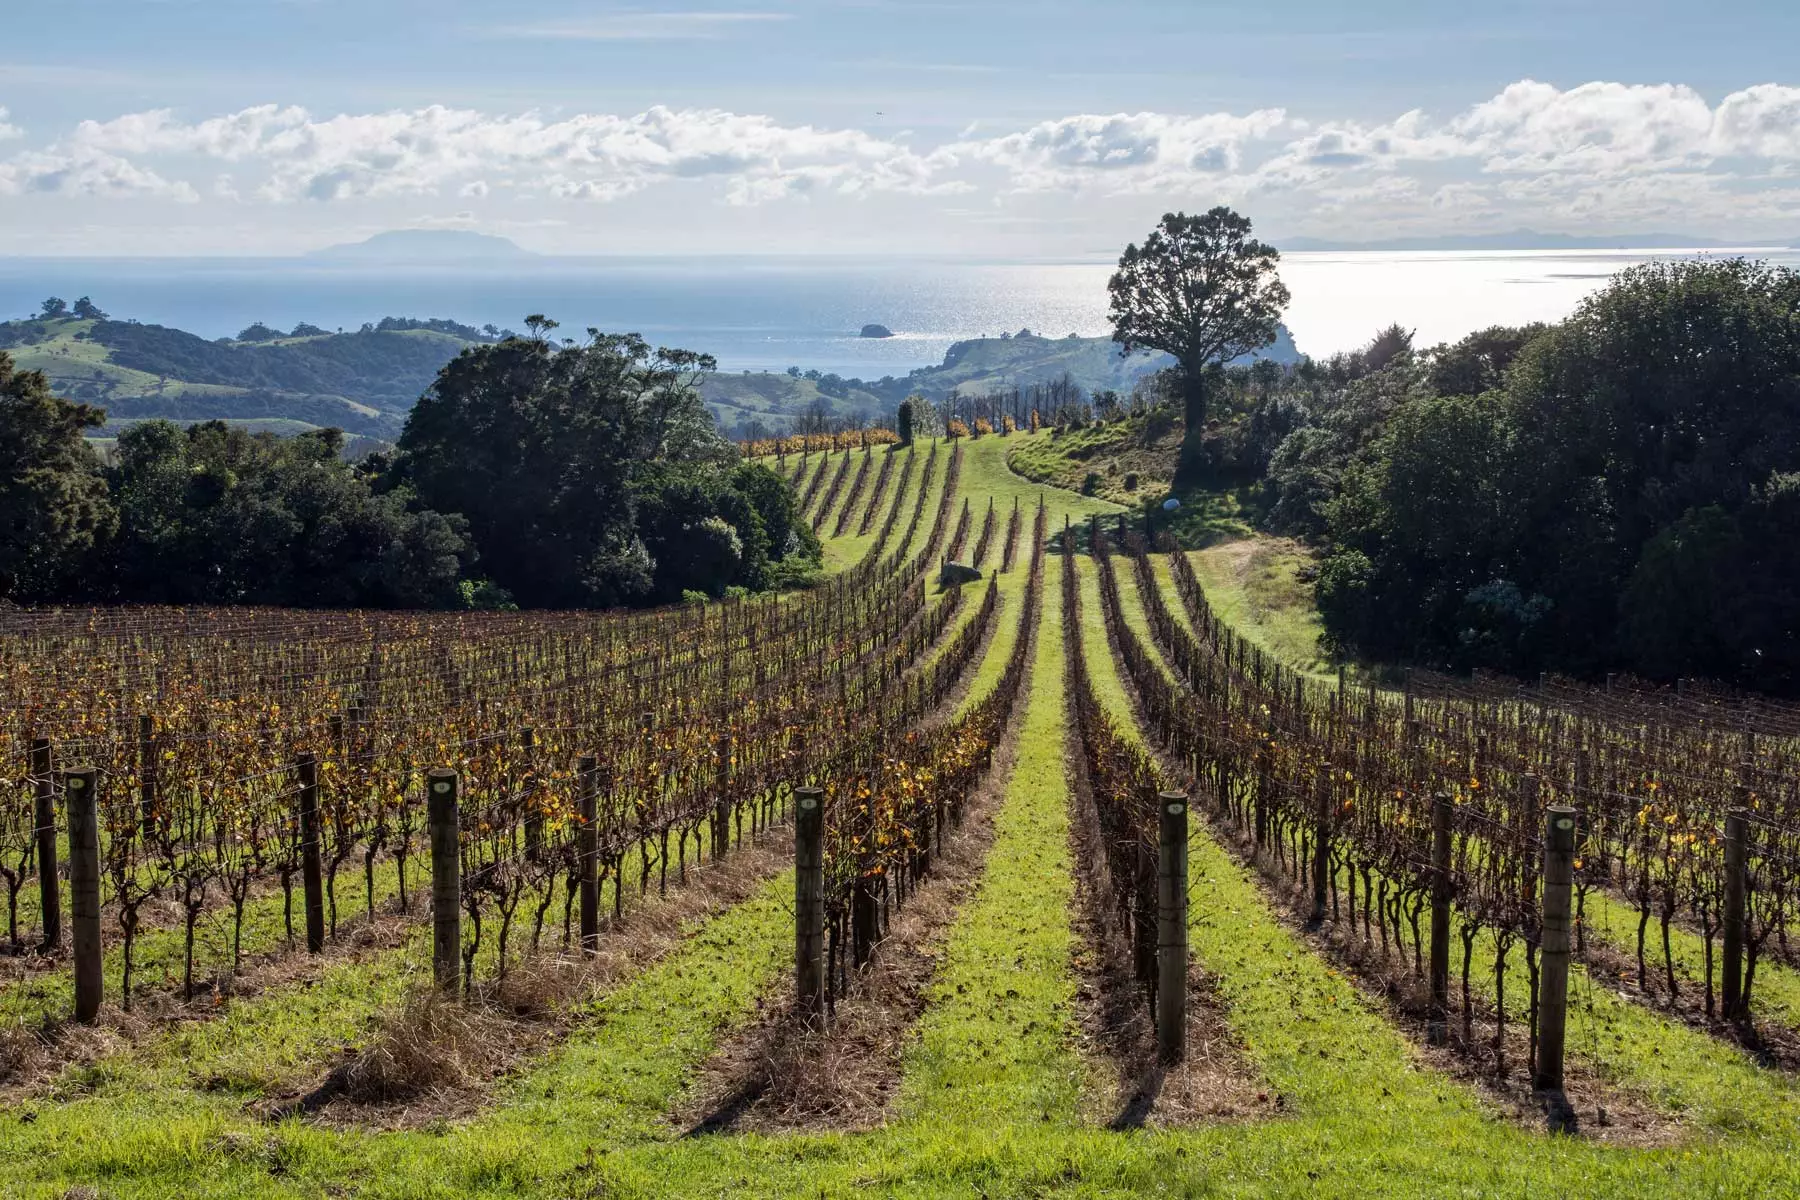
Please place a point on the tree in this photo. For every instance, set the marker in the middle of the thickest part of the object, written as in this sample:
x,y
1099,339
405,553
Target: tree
x,y
576,465
87,310
53,501
1480,361
212,514
53,308
903,422
1202,290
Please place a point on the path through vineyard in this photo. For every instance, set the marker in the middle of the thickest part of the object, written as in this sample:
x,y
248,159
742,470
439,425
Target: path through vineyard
x,y
1091,675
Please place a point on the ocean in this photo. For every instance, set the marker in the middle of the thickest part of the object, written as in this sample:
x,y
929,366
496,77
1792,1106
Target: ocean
x,y
764,313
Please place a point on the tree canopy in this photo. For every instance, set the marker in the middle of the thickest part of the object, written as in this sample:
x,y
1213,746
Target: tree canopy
x,y
593,474
1615,491
53,502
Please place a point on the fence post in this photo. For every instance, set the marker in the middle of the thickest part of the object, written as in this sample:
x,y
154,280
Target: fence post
x,y
1264,768
587,842
446,880
722,807
534,817
1737,843
1442,816
1171,929
311,870
147,772
1321,863
809,900
49,885
1553,1001
84,889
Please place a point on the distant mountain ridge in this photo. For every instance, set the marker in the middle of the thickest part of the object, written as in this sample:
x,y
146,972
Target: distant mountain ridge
x,y
425,246
1518,239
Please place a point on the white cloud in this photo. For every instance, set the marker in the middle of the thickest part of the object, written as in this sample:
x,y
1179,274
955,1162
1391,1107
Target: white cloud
x,y
1759,122
588,156
1606,154
1597,128
88,173
7,131
1123,152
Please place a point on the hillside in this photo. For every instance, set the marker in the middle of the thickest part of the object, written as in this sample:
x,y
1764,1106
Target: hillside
x,y
984,365
363,382
776,399
977,366
366,381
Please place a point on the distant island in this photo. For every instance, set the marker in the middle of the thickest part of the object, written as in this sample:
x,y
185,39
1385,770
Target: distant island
x,y
425,246
876,331
1519,239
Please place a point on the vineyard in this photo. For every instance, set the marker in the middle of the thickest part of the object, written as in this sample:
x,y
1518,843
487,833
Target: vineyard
x,y
1050,881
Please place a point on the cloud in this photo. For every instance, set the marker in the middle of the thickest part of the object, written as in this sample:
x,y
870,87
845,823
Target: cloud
x,y
642,26
74,169
587,156
1609,154
1123,152
1759,122
1597,128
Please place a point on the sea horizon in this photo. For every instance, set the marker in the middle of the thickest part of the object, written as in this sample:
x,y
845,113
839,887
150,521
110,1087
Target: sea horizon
x,y
769,312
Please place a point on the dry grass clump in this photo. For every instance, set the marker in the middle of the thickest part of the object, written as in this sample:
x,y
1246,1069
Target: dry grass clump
x,y
431,1044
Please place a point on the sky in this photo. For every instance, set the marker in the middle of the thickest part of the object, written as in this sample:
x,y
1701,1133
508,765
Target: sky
x,y
1047,129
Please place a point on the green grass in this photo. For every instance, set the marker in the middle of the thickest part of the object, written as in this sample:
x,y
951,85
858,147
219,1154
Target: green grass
x,y
996,1045
1260,586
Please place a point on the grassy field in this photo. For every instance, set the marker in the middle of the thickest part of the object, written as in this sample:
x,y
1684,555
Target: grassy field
x,y
995,1090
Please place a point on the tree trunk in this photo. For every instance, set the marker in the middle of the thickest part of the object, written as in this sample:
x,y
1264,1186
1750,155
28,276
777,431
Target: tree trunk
x,y
1193,400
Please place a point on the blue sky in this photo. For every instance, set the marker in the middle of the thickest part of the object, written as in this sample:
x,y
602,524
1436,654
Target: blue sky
x,y
1047,129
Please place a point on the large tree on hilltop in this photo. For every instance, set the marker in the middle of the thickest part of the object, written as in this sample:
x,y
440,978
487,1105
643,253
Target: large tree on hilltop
x,y
1202,290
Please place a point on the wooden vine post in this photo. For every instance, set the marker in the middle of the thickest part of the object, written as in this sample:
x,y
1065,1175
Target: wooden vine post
x,y
1737,845
722,806
1171,928
146,749
1553,1005
534,816
1321,849
312,877
44,820
809,901
446,880
1443,814
587,844
79,794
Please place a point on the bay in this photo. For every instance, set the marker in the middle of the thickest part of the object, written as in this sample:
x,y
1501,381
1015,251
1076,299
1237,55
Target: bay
x,y
767,314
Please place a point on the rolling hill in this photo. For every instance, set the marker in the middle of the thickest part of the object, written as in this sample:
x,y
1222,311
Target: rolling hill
x,y
365,382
